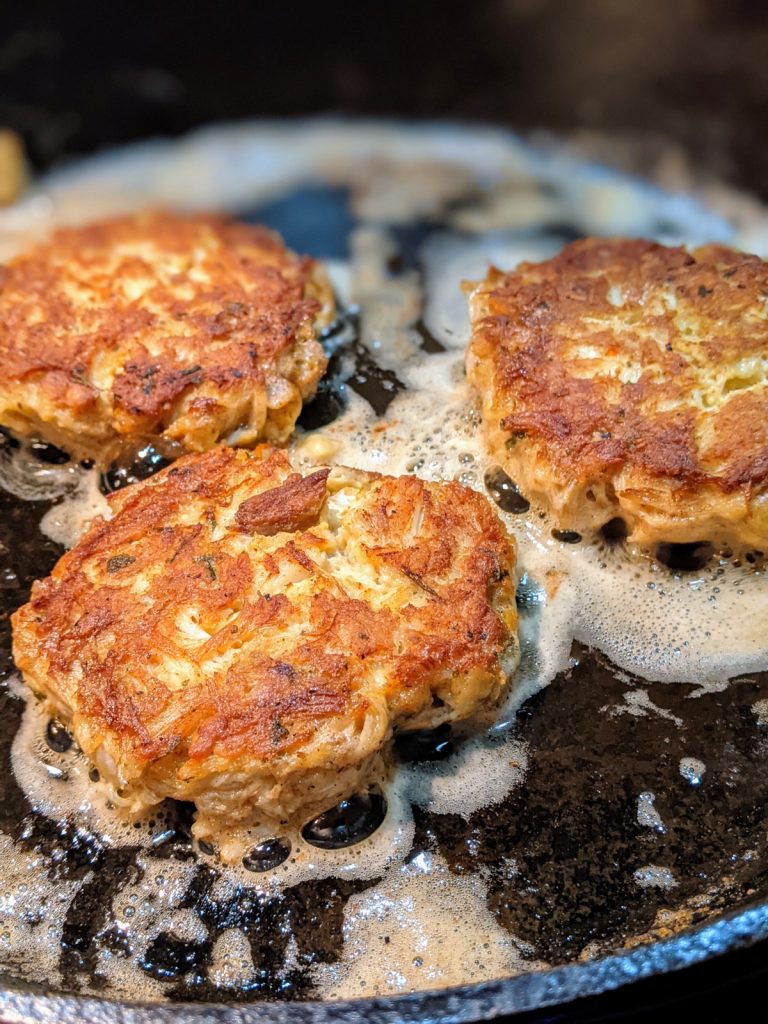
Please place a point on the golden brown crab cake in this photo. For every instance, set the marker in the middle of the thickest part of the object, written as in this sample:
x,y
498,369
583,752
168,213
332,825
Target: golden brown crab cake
x,y
627,379
247,638
185,331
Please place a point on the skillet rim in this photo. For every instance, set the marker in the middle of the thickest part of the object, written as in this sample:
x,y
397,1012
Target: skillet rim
x,y
534,990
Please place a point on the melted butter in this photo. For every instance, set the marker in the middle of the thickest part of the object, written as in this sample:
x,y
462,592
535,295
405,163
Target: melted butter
x,y
32,910
422,927
66,522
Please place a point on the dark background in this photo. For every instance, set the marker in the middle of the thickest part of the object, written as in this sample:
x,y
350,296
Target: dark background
x,y
75,77
686,77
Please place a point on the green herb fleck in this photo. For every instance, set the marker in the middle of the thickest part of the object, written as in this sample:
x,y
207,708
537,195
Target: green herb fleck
x,y
513,439
118,562
210,565
148,376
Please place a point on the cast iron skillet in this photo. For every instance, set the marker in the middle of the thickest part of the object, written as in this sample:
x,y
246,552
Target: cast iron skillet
x,y
472,1003
571,828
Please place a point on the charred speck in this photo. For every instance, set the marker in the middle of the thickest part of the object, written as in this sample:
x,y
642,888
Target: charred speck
x,y
94,775
567,536
425,744
57,737
503,489
45,452
614,530
685,557
347,823
148,462
207,848
267,855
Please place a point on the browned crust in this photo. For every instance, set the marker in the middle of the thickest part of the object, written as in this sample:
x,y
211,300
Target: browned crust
x,y
294,505
552,340
298,652
185,327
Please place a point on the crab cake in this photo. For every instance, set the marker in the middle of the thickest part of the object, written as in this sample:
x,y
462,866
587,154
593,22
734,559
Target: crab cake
x,y
627,379
183,331
247,638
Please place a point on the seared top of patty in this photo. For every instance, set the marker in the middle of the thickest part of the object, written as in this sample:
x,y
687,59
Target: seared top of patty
x,y
632,363
188,329
236,618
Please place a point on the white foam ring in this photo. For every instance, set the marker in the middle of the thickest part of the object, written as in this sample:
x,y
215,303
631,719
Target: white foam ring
x,y
701,628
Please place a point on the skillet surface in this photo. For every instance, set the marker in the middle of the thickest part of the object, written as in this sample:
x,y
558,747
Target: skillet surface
x,y
599,894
